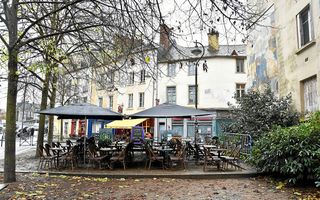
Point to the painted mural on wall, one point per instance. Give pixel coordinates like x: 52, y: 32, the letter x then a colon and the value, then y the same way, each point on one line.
x: 262, y: 54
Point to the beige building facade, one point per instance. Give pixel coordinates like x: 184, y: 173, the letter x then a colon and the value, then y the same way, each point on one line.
x: 285, y: 52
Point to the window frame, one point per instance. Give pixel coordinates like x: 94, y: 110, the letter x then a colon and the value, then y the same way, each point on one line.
x: 190, y: 72
x: 131, y: 78
x: 130, y: 100
x: 240, y: 89
x: 143, y: 76
x: 189, y: 95
x: 141, y: 100
x: 300, y: 30
x: 110, y: 102
x: 100, y: 101
x: 171, y: 70
x: 175, y: 92
x: 240, y: 69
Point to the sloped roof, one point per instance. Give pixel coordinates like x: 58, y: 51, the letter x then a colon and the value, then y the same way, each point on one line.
x: 179, y: 53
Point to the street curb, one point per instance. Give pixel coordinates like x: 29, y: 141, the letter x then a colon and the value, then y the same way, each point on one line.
x: 3, y: 185
x: 222, y: 175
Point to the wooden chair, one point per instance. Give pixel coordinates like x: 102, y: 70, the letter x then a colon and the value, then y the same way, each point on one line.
x: 199, y: 154
x: 153, y: 157
x: 45, y: 159
x: 94, y: 157
x: 232, y: 158
x: 209, y: 159
x: 119, y: 157
x: 71, y: 157
x: 180, y: 157
x: 190, y: 150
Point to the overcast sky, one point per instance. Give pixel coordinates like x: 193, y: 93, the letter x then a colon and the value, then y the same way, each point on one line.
x: 185, y: 35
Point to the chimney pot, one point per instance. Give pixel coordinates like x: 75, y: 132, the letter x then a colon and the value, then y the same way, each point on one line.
x: 213, y: 40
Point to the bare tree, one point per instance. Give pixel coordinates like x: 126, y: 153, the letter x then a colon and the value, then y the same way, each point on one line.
x: 81, y: 19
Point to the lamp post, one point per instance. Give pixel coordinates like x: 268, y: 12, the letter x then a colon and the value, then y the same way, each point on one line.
x: 197, y: 51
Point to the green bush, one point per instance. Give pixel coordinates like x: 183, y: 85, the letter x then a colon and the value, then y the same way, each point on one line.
x: 257, y: 112
x: 292, y: 152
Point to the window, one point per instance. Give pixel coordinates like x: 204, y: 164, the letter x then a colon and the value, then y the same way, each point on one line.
x: 310, y: 95
x: 192, y: 94
x: 142, y: 76
x: 100, y: 101
x: 240, y: 90
x: 130, y: 101
x: 85, y: 86
x: 304, y: 26
x: 110, y: 76
x: 191, y: 69
x: 85, y: 99
x: 240, y: 65
x: 110, y: 102
x: 171, y: 95
x: 171, y: 69
x: 141, y: 99
x: 131, y: 78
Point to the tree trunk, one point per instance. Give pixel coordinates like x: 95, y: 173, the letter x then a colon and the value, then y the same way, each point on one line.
x: 43, y: 106
x: 10, y: 137
x: 52, y: 104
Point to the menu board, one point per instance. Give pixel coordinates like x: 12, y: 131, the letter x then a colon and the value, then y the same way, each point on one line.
x: 106, y: 133
x: 137, y: 133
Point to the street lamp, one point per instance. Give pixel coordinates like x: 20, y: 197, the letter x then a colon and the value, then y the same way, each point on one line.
x: 197, y: 51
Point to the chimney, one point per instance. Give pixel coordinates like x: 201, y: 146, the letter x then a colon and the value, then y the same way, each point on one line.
x: 165, y: 33
x: 213, y: 40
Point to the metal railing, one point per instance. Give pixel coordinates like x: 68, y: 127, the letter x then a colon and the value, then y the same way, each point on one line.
x: 244, y: 140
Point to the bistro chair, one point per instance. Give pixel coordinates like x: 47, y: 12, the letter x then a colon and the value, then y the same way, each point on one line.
x: 121, y: 157
x: 45, y: 159
x: 95, y: 157
x: 71, y: 157
x: 232, y: 157
x: 180, y: 157
x: 153, y: 157
x: 210, y: 159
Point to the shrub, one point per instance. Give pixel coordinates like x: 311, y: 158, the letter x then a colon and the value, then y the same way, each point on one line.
x: 292, y: 152
x: 257, y: 112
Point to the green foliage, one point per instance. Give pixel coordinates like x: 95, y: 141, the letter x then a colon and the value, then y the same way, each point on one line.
x: 257, y: 112
x: 292, y: 152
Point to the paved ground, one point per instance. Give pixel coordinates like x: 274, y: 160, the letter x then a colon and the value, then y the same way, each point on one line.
x: 20, y: 149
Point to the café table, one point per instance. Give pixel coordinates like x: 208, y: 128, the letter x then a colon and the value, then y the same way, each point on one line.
x: 108, y: 150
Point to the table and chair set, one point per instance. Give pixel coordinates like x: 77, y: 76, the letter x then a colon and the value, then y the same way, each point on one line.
x: 165, y: 155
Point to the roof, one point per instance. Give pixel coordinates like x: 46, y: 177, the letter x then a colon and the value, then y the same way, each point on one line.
x: 125, y: 124
x: 82, y: 111
x: 167, y: 110
x: 179, y: 53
